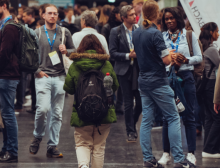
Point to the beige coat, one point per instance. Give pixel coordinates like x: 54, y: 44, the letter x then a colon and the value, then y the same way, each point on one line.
x: 217, y: 89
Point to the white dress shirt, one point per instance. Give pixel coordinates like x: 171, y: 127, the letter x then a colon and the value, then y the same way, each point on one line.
x: 129, y: 38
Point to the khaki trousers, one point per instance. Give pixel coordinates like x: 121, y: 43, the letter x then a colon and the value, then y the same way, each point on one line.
x: 89, y: 143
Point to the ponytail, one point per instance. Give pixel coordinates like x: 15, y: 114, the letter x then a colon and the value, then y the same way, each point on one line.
x: 150, y: 12
x: 147, y: 23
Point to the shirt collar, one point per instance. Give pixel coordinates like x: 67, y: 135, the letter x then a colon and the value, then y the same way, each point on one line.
x: 2, y: 21
x: 154, y: 26
x: 86, y: 29
x: 182, y: 35
x: 126, y: 29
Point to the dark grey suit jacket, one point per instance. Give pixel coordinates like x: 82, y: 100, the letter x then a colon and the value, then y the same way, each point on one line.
x: 118, y: 48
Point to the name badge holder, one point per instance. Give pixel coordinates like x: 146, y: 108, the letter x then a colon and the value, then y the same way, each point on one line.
x: 54, y: 57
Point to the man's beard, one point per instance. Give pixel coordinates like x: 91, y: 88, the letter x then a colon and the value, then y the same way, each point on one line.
x: 51, y: 24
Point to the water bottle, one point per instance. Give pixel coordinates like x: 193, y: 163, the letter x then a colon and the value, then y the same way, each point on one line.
x: 108, y: 82
x: 179, y: 105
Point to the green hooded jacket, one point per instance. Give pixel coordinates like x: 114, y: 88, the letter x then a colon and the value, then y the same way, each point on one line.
x: 84, y: 62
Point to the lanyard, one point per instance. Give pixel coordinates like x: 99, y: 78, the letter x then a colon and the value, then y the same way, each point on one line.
x: 131, y: 44
x: 177, y: 43
x: 7, y: 19
x: 48, y: 37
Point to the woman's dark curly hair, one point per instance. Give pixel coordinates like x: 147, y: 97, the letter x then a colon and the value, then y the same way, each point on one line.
x: 177, y: 14
x: 90, y: 42
x: 112, y: 17
x: 205, y: 36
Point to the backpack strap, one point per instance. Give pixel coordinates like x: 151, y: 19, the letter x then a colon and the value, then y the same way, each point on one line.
x: 102, y: 66
x: 189, y: 41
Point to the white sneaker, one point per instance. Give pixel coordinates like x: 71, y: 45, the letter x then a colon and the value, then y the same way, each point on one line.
x: 84, y: 166
x: 165, y: 159
x: 208, y: 155
x: 190, y: 157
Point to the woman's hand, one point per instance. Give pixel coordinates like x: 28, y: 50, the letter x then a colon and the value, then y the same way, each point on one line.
x: 216, y: 108
x: 181, y: 59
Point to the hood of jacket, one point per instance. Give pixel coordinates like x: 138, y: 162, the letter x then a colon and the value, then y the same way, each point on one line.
x: 88, y: 61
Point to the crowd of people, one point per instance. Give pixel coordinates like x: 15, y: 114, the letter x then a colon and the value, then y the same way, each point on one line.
x: 158, y: 68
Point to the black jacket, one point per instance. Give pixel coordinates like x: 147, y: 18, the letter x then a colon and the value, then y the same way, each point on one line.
x: 107, y: 28
x: 118, y: 48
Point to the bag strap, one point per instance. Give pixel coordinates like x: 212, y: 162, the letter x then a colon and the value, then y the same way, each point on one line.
x: 63, y: 34
x: 189, y: 41
x: 39, y: 33
x: 102, y: 66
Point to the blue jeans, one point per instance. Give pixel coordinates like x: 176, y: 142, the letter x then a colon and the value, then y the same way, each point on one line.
x: 50, y: 96
x: 188, y: 116
x: 10, y: 132
x: 162, y: 97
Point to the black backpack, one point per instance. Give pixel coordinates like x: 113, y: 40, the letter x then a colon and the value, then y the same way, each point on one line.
x: 91, y: 99
x: 28, y: 57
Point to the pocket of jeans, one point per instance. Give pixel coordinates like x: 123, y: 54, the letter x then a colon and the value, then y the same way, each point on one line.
x: 164, y: 91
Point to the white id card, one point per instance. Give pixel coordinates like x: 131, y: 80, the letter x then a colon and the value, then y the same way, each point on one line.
x: 54, y: 57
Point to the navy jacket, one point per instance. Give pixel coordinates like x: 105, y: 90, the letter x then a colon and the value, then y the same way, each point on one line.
x: 118, y: 48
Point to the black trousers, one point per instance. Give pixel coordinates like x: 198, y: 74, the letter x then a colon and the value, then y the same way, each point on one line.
x: 21, y: 91
x: 212, y: 121
x: 131, y: 113
x: 33, y: 92
x: 119, y: 100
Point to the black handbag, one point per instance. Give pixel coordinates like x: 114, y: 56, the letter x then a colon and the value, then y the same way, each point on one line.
x: 201, y: 82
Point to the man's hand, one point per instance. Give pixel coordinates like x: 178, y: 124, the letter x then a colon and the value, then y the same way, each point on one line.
x: 41, y: 74
x: 62, y: 49
x: 216, y: 108
x: 132, y: 54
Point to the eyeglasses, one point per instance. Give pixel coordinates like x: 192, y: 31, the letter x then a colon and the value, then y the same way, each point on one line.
x: 52, y: 13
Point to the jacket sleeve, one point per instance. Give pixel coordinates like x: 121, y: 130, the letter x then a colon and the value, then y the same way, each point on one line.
x: 217, y: 89
x: 104, y: 44
x: 213, y: 54
x: 114, y: 46
x: 105, y: 32
x: 69, y: 85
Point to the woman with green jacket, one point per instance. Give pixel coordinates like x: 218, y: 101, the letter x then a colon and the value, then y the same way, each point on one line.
x: 90, y: 56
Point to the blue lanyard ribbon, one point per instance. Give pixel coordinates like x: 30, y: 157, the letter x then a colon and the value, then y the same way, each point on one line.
x: 177, y: 43
x: 7, y: 19
x: 48, y: 37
